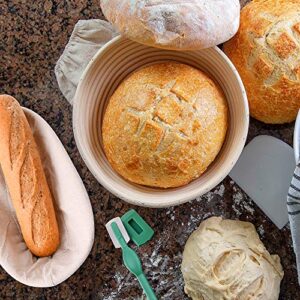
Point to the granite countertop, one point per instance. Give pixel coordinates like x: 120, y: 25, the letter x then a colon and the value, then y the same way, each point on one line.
x: 32, y: 37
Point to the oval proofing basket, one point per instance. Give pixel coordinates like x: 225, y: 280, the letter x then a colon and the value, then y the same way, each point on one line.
x: 107, y: 70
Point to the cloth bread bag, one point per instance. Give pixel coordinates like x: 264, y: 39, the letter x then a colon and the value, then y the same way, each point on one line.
x: 87, y: 38
x: 73, y: 210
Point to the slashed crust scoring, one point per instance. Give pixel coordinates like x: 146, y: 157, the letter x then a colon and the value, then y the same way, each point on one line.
x: 164, y: 125
x: 22, y: 168
x: 266, y: 52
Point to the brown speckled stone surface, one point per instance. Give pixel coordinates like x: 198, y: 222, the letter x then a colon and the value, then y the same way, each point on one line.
x: 32, y: 37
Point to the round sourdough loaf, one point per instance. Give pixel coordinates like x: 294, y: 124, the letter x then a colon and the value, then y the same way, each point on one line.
x: 266, y: 52
x: 164, y: 125
x: 174, y: 24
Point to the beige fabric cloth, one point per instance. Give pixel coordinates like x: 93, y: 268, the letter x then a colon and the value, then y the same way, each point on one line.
x: 74, y: 212
x: 87, y: 38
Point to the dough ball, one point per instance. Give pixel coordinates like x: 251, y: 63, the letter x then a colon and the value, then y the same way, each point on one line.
x: 226, y: 260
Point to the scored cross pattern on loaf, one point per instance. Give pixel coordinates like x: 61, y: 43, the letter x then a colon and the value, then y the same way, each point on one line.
x: 266, y: 53
x: 276, y: 52
x: 164, y: 125
x: 168, y: 113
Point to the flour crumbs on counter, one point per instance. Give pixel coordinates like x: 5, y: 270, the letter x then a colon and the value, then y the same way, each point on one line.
x: 161, y: 269
x: 220, y: 190
x: 170, y: 213
x: 241, y: 203
x: 196, y: 217
x: 260, y: 230
x: 164, y: 269
x: 122, y: 281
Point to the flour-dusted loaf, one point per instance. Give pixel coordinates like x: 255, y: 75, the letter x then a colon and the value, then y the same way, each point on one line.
x: 226, y: 260
x: 174, y: 24
x: 164, y: 125
x: 266, y: 52
x: 25, y: 179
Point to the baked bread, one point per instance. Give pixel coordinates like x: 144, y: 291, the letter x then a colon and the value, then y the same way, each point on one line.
x: 266, y: 52
x: 174, y: 24
x: 164, y: 125
x: 25, y: 179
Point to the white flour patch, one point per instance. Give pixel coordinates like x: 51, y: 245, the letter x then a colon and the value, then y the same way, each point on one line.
x: 162, y: 270
x: 122, y: 281
x: 219, y: 191
x: 237, y: 212
x: 171, y: 214
x: 241, y: 203
x: 196, y: 220
x: 192, y: 225
x: 261, y: 230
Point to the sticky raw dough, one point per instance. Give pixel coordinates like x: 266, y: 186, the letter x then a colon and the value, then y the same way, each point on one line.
x: 225, y: 259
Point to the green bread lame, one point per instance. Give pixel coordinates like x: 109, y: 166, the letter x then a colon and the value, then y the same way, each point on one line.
x: 138, y: 230
x: 133, y: 263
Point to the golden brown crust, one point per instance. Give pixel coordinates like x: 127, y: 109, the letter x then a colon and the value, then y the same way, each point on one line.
x: 164, y: 125
x: 25, y: 178
x: 266, y: 52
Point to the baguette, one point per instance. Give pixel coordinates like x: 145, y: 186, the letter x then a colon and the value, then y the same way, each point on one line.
x: 26, y: 181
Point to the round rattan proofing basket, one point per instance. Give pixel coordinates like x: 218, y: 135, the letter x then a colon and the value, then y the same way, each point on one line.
x: 107, y: 70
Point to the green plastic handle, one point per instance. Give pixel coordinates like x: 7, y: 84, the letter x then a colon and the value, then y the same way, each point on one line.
x: 133, y: 263
x: 146, y: 287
